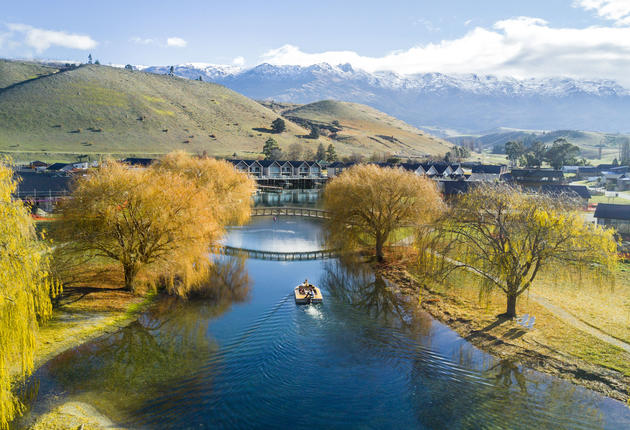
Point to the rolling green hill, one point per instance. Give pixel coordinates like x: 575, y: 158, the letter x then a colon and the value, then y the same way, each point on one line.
x: 13, y: 72
x: 588, y: 141
x: 363, y: 127
x: 97, y: 110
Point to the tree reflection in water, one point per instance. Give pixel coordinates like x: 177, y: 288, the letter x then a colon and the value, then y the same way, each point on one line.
x: 446, y: 395
x: 169, y: 342
x: 355, y: 284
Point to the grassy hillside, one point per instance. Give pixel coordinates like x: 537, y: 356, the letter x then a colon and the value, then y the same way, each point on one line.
x: 588, y: 141
x: 363, y: 127
x: 96, y: 110
x: 13, y: 72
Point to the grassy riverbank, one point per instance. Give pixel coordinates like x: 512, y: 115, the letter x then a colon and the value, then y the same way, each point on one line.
x: 554, y: 346
x: 82, y: 315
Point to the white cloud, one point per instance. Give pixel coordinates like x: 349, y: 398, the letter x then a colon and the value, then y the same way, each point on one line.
x: 141, y: 41
x: 520, y: 47
x: 176, y: 42
x: 40, y: 39
x: 238, y: 61
x: 614, y: 10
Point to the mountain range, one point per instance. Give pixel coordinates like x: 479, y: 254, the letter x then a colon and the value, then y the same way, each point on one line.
x: 434, y: 101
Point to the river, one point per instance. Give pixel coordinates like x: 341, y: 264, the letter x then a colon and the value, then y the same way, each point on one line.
x: 252, y: 358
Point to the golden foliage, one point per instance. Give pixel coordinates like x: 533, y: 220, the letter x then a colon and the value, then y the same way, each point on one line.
x: 161, y: 220
x: 368, y: 203
x: 25, y: 290
x: 507, y: 237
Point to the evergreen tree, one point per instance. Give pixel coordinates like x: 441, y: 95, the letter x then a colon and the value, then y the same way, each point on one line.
x: 269, y: 148
x: 98, y: 63
x: 321, y: 152
x: 331, y: 154
x: 89, y: 58
x: 278, y: 125
x: 314, y: 134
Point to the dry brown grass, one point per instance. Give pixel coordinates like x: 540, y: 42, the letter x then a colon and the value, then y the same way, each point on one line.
x: 463, y: 299
x: 607, y: 307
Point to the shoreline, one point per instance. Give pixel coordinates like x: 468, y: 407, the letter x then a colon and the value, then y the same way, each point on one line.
x: 608, y: 382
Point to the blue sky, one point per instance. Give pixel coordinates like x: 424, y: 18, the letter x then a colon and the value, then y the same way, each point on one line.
x: 588, y: 38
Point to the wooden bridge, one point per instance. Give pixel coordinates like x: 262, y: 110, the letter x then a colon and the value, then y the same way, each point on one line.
x: 274, y: 255
x: 289, y: 211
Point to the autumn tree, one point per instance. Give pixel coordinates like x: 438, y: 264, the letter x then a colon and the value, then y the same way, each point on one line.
x: 25, y: 290
x: 367, y: 204
x: 163, y: 218
x: 309, y: 155
x: 295, y: 151
x: 508, y: 237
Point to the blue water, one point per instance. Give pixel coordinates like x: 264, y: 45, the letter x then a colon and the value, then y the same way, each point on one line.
x: 251, y: 358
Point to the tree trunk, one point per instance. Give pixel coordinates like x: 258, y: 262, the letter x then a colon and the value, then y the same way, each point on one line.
x: 379, y: 248
x: 511, y: 306
x: 130, y: 274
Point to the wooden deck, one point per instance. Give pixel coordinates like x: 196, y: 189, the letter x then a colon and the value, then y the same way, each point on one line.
x: 290, y: 211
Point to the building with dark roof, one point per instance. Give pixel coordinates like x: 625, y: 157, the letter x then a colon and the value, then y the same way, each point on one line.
x: 616, y: 216
x: 537, y: 177
x: 495, y: 169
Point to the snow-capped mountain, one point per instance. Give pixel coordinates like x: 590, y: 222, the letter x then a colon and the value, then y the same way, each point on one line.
x: 464, y: 102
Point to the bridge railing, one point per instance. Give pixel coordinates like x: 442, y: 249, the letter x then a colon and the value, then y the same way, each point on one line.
x: 274, y: 255
x: 290, y: 211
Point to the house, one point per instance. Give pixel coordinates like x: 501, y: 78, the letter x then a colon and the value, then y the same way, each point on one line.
x: 493, y: 169
x: 453, y: 189
x: 337, y: 167
x: 536, y: 177
x: 286, y: 169
x: 271, y: 168
x: 588, y: 171
x: 574, y: 191
x: 59, y: 167
x: 315, y: 169
x: 616, y: 216
x: 42, y: 189
x: 38, y: 166
x: 254, y: 168
x: 251, y: 167
x: 414, y: 168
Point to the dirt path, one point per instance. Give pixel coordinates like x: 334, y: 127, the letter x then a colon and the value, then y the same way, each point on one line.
x: 559, y: 312
x: 578, y: 323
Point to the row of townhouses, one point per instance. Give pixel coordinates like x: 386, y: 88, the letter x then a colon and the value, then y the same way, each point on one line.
x: 432, y: 170
x: 279, y: 169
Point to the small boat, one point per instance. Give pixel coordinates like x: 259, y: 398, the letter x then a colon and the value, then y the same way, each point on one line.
x: 307, y: 293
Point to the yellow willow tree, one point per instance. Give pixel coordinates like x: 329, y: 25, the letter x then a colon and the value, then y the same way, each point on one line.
x: 25, y: 290
x: 230, y: 190
x: 508, y: 237
x: 368, y: 203
x: 136, y: 217
x: 163, y: 219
